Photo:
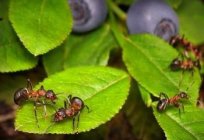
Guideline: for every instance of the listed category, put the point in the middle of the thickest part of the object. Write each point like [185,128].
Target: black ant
[72,110]
[38,97]
[188,46]
[164,101]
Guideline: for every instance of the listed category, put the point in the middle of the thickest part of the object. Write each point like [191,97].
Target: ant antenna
[164,95]
[87,108]
[69,99]
[29,85]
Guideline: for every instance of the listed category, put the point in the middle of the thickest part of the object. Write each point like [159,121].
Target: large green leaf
[103,89]
[191,20]
[147,59]
[13,57]
[79,50]
[41,24]
[187,126]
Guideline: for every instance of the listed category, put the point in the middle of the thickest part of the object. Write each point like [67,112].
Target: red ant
[175,100]
[38,97]
[188,46]
[72,110]
[165,101]
[187,64]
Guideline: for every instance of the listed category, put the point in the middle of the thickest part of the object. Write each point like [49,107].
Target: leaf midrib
[156,66]
[182,127]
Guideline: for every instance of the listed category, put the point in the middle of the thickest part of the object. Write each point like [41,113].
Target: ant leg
[179,112]
[45,103]
[65,104]
[29,85]
[44,107]
[78,118]
[73,124]
[36,118]
[42,87]
[69,99]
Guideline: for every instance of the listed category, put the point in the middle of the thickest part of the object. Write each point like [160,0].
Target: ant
[187,64]
[38,97]
[175,100]
[72,110]
[188,46]
[165,101]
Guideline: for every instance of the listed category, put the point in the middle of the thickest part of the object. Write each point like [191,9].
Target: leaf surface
[13,56]
[41,25]
[104,90]
[191,20]
[81,50]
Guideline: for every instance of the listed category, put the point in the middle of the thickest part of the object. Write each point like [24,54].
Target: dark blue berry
[88,14]
[152,16]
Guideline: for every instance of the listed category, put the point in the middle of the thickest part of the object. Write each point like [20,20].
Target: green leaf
[80,50]
[41,24]
[191,20]
[145,96]
[187,126]
[13,56]
[174,3]
[147,59]
[103,89]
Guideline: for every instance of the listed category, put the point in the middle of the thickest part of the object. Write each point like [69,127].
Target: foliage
[37,34]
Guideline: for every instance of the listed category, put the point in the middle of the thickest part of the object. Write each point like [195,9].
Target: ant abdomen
[175,64]
[161,106]
[20,96]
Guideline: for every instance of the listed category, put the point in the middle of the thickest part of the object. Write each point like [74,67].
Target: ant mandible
[38,97]
[188,46]
[72,110]
[165,101]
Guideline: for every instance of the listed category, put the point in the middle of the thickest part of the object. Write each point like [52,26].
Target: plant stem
[120,13]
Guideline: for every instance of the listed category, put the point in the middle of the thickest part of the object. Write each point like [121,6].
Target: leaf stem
[120,13]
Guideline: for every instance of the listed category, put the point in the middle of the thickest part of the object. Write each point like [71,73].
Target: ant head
[77,103]
[183,95]
[20,95]
[60,115]
[175,64]
[162,103]
[51,95]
